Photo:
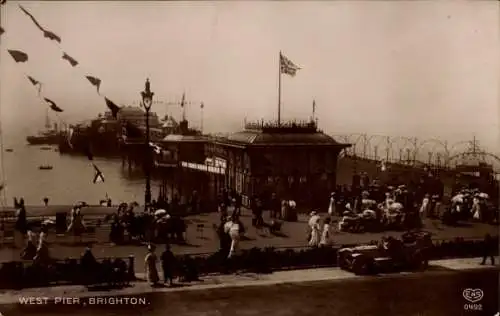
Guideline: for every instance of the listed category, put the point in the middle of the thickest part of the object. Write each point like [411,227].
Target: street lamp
[147,101]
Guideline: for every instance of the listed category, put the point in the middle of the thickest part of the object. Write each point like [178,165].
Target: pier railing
[412,151]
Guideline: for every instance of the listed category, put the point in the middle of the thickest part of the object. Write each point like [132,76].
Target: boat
[45,148]
[45,167]
[49,136]
[9,150]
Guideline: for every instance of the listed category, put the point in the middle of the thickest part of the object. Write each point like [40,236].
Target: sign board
[203,167]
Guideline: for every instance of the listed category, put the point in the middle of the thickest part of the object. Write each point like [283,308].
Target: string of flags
[22,57]
[130,129]
[96,82]
[46,33]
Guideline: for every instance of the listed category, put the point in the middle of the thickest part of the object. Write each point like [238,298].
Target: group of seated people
[472,204]
[154,225]
[370,214]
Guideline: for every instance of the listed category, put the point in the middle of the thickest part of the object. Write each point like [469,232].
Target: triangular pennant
[19,56]
[98,176]
[53,105]
[112,106]
[33,80]
[94,81]
[70,59]
[52,36]
[36,83]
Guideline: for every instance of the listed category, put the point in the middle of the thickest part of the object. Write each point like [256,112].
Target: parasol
[396,206]
[48,222]
[484,195]
[314,220]
[459,198]
[160,212]
[369,213]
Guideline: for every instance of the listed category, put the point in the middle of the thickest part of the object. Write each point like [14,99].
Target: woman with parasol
[314,225]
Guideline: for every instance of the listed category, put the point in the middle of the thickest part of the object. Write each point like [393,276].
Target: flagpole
[279,89]
[202,106]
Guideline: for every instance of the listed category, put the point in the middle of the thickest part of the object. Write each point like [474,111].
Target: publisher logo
[473,295]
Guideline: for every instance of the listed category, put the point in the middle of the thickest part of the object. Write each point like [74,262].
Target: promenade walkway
[201,238]
[239,280]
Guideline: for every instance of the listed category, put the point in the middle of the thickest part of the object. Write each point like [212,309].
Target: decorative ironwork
[433,152]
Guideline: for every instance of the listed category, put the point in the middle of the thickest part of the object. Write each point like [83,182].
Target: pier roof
[288,134]
[176,138]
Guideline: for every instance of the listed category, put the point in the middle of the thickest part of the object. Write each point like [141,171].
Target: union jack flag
[287,66]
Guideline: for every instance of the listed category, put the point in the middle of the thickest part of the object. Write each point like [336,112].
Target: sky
[428,69]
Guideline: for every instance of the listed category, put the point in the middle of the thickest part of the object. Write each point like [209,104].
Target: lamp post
[147,101]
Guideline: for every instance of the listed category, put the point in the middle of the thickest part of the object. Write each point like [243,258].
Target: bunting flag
[112,107]
[53,105]
[96,82]
[35,83]
[70,59]
[98,176]
[51,36]
[19,56]
[46,33]
[287,66]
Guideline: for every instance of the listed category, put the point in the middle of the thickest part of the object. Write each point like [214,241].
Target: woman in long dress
[332,205]
[150,264]
[315,230]
[232,228]
[327,233]
[42,253]
[76,225]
